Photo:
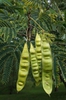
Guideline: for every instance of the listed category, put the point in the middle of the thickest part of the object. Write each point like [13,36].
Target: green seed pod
[47,82]
[47,65]
[38,51]
[23,68]
[34,64]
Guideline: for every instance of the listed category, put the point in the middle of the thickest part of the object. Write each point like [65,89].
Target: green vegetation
[20,21]
[36,93]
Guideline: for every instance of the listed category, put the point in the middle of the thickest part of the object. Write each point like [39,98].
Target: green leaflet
[63,69]
[4,23]
[2,61]
[17,58]
[3,45]
[56,72]
[9,33]
[6,51]
[7,69]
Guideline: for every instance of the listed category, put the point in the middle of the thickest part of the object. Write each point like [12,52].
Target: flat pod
[38,51]
[22,79]
[35,68]
[32,50]
[45,45]
[37,39]
[24,64]
[23,68]
[39,58]
[38,54]
[46,52]
[23,72]
[25,53]
[33,58]
[47,64]
[38,43]
[20,86]
[34,64]
[24,61]
[47,82]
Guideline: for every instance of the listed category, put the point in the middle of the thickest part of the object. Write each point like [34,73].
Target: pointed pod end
[32,50]
[19,87]
[37,37]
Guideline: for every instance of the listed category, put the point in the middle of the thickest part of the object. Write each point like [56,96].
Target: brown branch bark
[29,29]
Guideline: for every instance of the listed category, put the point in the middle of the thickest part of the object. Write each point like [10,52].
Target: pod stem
[29,28]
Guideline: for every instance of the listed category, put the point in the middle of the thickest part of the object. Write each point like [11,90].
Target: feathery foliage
[48,19]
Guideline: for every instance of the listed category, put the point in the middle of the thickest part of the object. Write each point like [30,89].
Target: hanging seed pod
[38,52]
[23,68]
[47,65]
[34,63]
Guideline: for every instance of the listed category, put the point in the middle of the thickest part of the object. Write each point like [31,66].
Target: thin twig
[37,23]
